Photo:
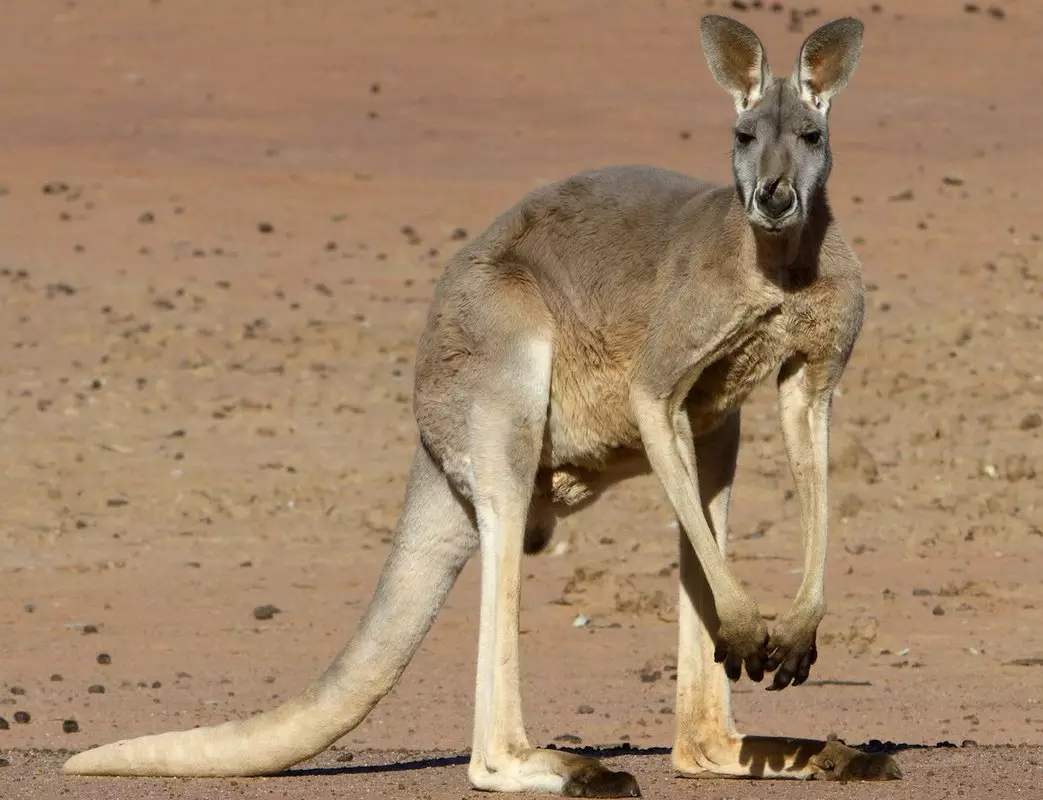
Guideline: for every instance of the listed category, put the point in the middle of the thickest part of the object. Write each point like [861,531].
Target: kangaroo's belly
[589,418]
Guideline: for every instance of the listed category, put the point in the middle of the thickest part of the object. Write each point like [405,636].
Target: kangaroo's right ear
[736,58]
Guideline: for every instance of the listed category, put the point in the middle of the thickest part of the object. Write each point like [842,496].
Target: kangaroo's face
[780,157]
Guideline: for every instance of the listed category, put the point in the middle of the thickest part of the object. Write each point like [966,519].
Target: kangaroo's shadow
[462,758]
[606,751]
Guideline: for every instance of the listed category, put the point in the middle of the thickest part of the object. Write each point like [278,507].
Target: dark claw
[754,669]
[774,659]
[782,679]
[720,653]
[733,669]
[804,670]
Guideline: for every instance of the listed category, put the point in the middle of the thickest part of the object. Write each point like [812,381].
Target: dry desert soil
[220,225]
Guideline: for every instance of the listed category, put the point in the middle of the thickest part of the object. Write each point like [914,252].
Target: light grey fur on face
[780,154]
[609,324]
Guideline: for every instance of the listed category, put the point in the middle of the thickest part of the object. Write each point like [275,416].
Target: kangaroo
[609,324]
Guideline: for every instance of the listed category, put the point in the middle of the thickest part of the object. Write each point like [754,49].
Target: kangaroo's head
[781,157]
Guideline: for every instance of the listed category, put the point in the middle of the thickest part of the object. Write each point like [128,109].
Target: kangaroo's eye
[742,138]
[812,137]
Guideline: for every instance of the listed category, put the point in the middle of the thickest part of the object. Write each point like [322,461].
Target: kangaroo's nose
[775,198]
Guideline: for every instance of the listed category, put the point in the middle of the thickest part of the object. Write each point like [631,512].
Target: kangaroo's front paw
[792,649]
[742,639]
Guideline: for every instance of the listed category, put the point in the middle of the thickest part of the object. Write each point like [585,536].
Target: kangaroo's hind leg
[509,394]
[706,742]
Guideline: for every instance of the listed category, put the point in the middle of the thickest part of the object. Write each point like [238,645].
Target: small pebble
[265,227]
[22,717]
[4,726]
[266,611]
[650,676]
[90,629]
[1031,422]
[104,658]
[71,726]
[57,677]
[585,709]
[95,688]
[938,611]
[17,690]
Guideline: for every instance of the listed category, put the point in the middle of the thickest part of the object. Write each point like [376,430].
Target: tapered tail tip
[96,761]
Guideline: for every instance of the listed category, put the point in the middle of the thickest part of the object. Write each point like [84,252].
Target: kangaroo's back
[587,248]
[595,236]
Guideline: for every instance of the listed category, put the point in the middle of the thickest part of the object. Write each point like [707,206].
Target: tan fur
[608,324]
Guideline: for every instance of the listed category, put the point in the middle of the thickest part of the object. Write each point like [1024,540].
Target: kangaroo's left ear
[827,60]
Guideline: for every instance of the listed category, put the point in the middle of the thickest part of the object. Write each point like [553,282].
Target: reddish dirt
[198,418]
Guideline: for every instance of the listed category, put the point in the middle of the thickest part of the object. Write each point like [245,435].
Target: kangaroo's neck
[789,258]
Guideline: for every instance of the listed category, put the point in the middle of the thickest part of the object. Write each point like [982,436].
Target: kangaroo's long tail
[435,538]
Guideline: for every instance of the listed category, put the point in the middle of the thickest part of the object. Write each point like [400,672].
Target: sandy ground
[209,298]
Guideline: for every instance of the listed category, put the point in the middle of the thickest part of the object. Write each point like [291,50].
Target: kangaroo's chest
[590,416]
[726,383]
